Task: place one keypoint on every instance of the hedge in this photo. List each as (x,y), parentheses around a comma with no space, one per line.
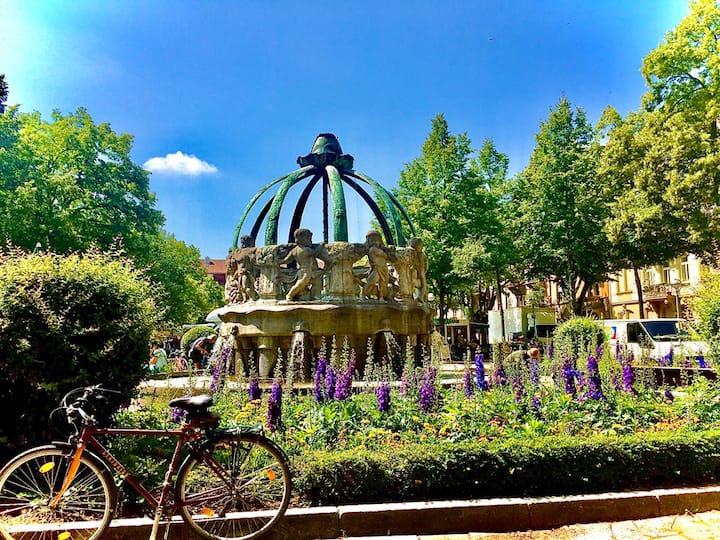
(543,466)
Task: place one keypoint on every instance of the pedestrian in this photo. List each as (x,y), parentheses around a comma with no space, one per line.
(200,349)
(158,358)
(522,358)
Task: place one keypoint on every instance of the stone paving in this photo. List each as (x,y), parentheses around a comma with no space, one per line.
(701,526)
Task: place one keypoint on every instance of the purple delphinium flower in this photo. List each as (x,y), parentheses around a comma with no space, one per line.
(319,376)
(519,389)
(568,375)
(599,351)
(534,371)
(667,360)
(669,395)
(629,378)
(469,384)
(500,376)
(594,381)
(427,389)
(701,361)
(329,382)
(254,392)
(343,387)
(480,372)
(536,403)
(218,377)
(177,414)
(383,396)
(550,351)
(274,414)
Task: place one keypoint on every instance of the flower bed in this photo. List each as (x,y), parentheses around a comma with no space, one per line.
(549,427)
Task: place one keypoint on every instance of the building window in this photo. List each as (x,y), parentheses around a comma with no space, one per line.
(667,275)
(685,271)
(649,277)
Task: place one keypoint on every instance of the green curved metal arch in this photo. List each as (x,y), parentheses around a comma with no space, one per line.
(271,230)
(391,202)
(382,220)
(300,208)
(340,230)
(260,194)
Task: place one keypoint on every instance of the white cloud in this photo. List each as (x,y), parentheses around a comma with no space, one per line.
(179,163)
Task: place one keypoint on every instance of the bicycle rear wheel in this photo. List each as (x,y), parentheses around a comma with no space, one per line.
(29,483)
(239,489)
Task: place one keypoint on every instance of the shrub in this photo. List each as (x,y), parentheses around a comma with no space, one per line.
(67,322)
(706,311)
(578,338)
(541,466)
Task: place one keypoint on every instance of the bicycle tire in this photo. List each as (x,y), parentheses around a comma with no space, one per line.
(248,502)
(30,481)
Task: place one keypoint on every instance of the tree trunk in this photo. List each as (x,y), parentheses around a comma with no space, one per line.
(638,286)
(500,304)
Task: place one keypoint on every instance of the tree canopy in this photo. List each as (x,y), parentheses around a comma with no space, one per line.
(559,206)
(432,188)
(68,185)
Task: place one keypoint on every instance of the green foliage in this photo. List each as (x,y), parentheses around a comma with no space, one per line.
(662,162)
(558,206)
(69,185)
(705,306)
(578,338)
(188,292)
(194,333)
(541,466)
(67,322)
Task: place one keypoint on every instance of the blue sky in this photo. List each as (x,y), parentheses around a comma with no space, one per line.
(222,97)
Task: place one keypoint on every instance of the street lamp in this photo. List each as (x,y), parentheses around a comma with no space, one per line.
(676,285)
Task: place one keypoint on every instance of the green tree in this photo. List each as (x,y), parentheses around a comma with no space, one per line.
(683,76)
(487,255)
(559,211)
(188,293)
(70,185)
(74,186)
(432,188)
(636,163)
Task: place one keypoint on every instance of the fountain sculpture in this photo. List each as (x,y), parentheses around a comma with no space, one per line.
(292,296)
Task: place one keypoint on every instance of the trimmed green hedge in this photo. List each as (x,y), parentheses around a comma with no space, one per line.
(504,468)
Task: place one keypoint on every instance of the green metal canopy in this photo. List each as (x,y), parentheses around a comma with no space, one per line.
(329,168)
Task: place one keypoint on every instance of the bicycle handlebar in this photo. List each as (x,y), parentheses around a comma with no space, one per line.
(76,401)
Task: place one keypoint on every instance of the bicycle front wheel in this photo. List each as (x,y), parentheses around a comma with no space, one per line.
(29,483)
(238,489)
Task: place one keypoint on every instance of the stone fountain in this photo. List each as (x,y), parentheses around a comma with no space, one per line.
(283,297)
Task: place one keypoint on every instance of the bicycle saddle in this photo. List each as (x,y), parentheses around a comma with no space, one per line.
(193,405)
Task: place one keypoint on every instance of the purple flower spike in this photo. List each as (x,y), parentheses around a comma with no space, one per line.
(330,382)
(383,396)
(319,376)
(427,390)
(254,392)
(568,375)
(594,382)
(469,384)
(343,387)
(480,372)
(274,414)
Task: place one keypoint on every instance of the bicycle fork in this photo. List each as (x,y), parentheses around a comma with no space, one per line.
(70,475)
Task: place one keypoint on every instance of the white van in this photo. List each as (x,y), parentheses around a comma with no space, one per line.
(653,338)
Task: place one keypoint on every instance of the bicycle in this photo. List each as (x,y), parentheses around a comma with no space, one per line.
(232,483)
